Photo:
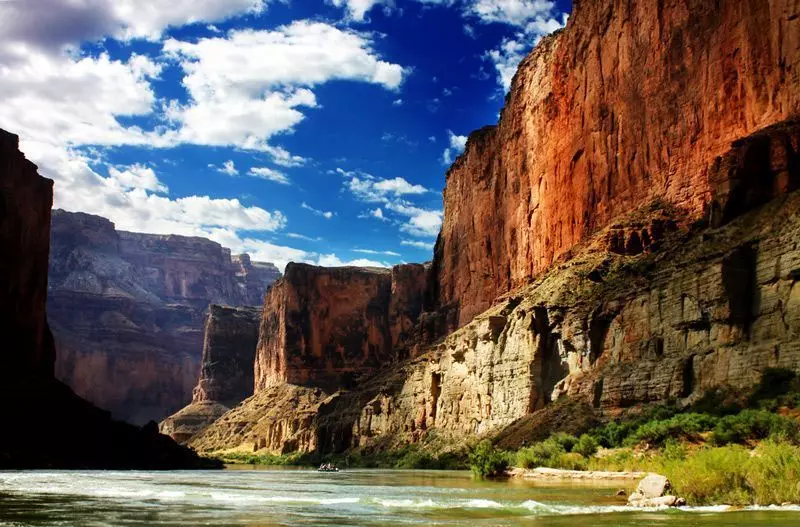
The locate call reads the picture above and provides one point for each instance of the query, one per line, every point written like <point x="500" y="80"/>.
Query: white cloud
<point x="398" y="102"/>
<point x="331" y="260"/>
<point x="374" y="213"/>
<point x="421" y="222"/>
<point x="457" y="145"/>
<point x="53" y="24"/>
<point x="324" y="213"/>
<point x="137" y="176"/>
<point x="509" y="54"/>
<point x="228" y="168"/>
<point x="372" y="251"/>
<point x="371" y="189"/>
<point x="427" y="246"/>
<point x="513" y="12"/>
<point x="270" y="175"/>
<point x="297" y="236"/>
<point x="358" y="9"/>
<point x="251" y="85"/>
<point x="283" y="158"/>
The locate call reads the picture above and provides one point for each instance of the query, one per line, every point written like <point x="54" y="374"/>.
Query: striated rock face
<point x="323" y="326"/>
<point x="226" y="373"/>
<point x="45" y="425"/>
<point x="694" y="308"/>
<point x="127" y="311"/>
<point x="631" y="101"/>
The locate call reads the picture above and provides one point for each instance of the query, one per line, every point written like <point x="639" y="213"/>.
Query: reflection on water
<point x="357" y="498"/>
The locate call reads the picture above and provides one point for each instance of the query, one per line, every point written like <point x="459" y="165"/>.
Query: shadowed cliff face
<point x="127" y="311"/>
<point x="226" y="373"/>
<point x="45" y="424"/>
<point x="631" y="101"/>
<point x="324" y="326"/>
<point x="25" y="202"/>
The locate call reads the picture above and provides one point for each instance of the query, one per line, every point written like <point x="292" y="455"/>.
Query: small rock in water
<point x="652" y="492"/>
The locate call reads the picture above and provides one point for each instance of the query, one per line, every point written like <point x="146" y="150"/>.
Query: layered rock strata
<point x="127" y="311"/>
<point x="226" y="372"/>
<point x="696" y="307"/>
<point x="45" y="424"/>
<point x="632" y="101"/>
<point x="625" y="235"/>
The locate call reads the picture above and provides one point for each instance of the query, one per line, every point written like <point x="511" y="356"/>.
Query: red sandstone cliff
<point x="45" y="425"/>
<point x="637" y="201"/>
<point x="127" y="311"/>
<point x="631" y="101"/>
<point x="324" y="326"/>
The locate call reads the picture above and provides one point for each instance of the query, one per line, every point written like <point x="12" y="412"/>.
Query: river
<point x="348" y="498"/>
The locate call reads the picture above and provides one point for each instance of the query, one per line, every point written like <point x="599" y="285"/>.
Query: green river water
<point x="353" y="498"/>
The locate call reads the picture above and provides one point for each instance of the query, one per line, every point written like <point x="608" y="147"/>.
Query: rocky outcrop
<point x="226" y="373"/>
<point x="324" y="326"/>
<point x="632" y="101"/>
<point x="45" y="425"/>
<point x="127" y="311"/>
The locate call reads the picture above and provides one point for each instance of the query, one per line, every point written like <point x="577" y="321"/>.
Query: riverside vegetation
<point x="737" y="449"/>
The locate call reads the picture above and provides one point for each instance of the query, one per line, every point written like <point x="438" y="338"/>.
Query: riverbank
<point x="727" y="448"/>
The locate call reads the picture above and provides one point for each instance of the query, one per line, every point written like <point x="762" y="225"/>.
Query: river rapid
<point x="273" y="497"/>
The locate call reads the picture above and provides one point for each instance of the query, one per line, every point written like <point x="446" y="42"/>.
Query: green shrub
<point x="543" y="454"/>
<point x="674" y="450"/>
<point x="567" y="441"/>
<point x="586" y="446"/>
<point x="571" y="461"/>
<point x="678" y="426"/>
<point x="486" y="461"/>
<point x="774" y="473"/>
<point x="712" y="475"/>
<point x="751" y="425"/>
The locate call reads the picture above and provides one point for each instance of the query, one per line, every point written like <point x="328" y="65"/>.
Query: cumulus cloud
<point x="250" y="85"/>
<point x="228" y="168"/>
<point x="52" y="25"/>
<point x="324" y="213"/>
<point x="269" y="174"/>
<point x="514" y="12"/>
<point x="507" y="56"/>
<point x="331" y="260"/>
<point x="457" y="145"/>
<point x="137" y="176"/>
<point x="392" y="194"/>
<point x="374" y="213"/>
<point x="417" y="244"/>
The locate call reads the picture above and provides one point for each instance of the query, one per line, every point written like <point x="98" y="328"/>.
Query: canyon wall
<point x="127" y="311"/>
<point x="230" y="337"/>
<point x="25" y="202"/>
<point x="325" y="327"/>
<point x="45" y="424"/>
<point x="627" y="234"/>
<point x="632" y="101"/>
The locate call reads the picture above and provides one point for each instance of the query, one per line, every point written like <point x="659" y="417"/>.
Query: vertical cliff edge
<point x="45" y="425"/>
<point x="630" y="102"/>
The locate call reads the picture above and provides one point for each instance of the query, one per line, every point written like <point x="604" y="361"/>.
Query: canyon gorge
<point x="627" y="234"/>
<point x="127" y="310"/>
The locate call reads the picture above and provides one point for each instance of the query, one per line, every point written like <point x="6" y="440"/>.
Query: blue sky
<point x="312" y="130"/>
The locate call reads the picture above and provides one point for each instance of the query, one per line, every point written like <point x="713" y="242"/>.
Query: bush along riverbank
<point x="724" y="449"/>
